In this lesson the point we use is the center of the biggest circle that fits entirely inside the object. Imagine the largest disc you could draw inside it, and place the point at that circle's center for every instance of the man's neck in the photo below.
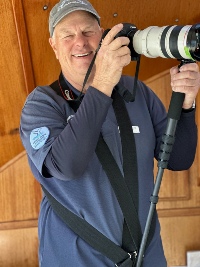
(78, 82)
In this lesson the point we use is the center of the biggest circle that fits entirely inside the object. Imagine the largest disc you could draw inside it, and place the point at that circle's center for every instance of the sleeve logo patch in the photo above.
(38, 137)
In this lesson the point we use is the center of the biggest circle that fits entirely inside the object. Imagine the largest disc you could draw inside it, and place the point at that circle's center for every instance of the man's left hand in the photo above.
(186, 80)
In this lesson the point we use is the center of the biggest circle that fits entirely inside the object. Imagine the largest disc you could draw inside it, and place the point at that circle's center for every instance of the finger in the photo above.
(123, 51)
(189, 67)
(118, 43)
(186, 67)
(174, 70)
(112, 33)
(186, 77)
(125, 60)
(184, 85)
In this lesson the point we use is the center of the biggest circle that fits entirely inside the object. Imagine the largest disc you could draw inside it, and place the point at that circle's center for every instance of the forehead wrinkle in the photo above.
(64, 30)
(70, 30)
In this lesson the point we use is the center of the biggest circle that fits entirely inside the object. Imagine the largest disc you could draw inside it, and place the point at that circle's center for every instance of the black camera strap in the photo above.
(91, 235)
(125, 188)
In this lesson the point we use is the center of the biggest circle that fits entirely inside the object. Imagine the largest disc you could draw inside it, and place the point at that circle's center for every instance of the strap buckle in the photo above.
(129, 261)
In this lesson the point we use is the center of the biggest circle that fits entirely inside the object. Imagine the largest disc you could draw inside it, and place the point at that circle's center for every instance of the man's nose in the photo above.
(81, 40)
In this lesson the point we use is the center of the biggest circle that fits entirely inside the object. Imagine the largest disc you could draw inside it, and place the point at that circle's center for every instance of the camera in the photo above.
(179, 42)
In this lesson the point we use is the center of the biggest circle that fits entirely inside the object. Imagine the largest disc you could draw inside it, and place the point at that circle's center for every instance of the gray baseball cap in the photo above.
(64, 7)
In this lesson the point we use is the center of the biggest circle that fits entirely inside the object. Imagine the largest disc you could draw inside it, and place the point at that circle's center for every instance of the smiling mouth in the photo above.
(83, 55)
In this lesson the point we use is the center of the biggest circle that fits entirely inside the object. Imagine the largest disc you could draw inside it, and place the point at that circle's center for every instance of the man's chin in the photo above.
(84, 70)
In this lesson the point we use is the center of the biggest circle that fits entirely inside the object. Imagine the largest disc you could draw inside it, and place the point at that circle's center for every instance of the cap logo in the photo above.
(68, 2)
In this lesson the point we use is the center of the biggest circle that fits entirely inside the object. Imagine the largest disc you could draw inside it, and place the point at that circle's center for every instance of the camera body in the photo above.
(129, 31)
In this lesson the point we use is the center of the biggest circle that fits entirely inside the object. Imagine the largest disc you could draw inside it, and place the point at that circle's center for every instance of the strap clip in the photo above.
(129, 261)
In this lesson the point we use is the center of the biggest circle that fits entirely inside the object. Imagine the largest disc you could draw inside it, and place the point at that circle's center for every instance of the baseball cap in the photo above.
(64, 7)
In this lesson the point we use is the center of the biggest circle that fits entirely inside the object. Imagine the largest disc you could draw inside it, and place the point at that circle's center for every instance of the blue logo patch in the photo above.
(38, 137)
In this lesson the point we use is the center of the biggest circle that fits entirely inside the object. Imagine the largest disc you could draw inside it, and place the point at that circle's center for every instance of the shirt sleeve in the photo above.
(75, 146)
(184, 148)
(71, 138)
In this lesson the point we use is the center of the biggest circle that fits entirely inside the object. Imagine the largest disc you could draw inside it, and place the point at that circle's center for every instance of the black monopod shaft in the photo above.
(168, 138)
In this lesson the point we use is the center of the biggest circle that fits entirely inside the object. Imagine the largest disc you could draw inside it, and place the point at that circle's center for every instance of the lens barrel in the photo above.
(180, 42)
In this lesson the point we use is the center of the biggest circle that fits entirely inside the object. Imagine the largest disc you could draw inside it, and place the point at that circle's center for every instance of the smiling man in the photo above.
(74, 41)
(65, 137)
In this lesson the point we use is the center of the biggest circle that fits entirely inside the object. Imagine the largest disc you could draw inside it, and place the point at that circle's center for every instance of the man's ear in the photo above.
(53, 45)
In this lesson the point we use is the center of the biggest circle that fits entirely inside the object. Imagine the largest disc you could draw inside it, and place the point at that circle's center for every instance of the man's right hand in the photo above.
(113, 55)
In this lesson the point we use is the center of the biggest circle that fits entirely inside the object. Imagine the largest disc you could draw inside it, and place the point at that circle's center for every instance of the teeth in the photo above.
(82, 55)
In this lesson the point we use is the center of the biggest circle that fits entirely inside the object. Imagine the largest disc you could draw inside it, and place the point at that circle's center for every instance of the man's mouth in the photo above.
(82, 55)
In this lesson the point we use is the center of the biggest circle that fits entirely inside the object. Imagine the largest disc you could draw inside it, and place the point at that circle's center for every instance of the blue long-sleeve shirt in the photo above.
(61, 149)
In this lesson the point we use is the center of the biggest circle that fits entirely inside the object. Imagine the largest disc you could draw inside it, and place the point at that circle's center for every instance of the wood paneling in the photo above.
(20, 197)
(20, 193)
(21, 31)
(19, 248)
(12, 93)
(45, 66)
(180, 234)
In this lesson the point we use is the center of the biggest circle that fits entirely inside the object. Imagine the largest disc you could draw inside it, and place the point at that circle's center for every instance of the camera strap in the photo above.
(125, 188)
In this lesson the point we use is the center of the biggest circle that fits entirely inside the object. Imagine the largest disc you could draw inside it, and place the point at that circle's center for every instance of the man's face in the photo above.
(74, 42)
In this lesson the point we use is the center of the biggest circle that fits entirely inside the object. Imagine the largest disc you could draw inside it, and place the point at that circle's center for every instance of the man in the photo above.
(61, 142)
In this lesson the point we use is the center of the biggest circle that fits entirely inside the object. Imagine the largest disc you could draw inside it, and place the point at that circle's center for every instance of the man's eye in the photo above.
(89, 33)
(70, 36)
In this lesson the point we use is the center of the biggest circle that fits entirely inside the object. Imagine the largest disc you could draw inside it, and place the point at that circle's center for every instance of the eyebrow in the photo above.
(65, 30)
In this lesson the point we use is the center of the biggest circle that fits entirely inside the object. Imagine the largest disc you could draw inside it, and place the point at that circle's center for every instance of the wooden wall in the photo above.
(26, 60)
(19, 205)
